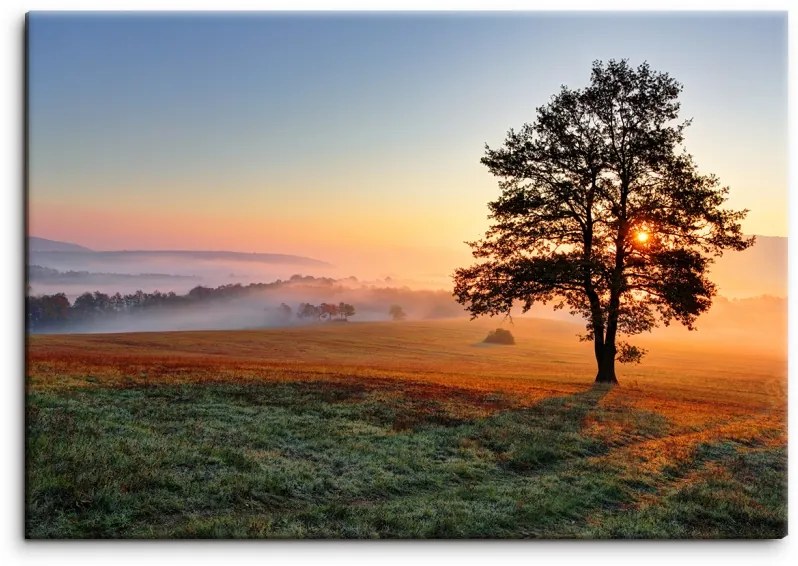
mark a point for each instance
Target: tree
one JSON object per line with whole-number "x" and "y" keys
{"x": 47, "y": 311}
{"x": 500, "y": 336}
{"x": 604, "y": 213}
{"x": 328, "y": 310}
{"x": 306, "y": 310}
{"x": 346, "y": 310}
{"x": 397, "y": 312}
{"x": 117, "y": 302}
{"x": 200, "y": 293}
{"x": 85, "y": 305}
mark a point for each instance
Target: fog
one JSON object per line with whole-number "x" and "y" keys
{"x": 751, "y": 306}
{"x": 48, "y": 281}
{"x": 178, "y": 271}
{"x": 759, "y": 270}
{"x": 260, "y": 308}
{"x": 755, "y": 322}
{"x": 126, "y": 272}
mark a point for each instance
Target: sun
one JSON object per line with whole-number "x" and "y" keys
{"x": 642, "y": 237}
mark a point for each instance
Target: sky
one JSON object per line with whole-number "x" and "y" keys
{"x": 356, "y": 138}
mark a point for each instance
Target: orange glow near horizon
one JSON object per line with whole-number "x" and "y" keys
{"x": 363, "y": 246}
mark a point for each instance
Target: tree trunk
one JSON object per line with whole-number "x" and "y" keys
{"x": 599, "y": 349}
{"x": 606, "y": 365}
{"x": 606, "y": 361}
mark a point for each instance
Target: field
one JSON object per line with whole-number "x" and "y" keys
{"x": 400, "y": 430}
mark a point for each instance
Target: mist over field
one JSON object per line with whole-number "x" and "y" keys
{"x": 47, "y": 281}
{"x": 751, "y": 304}
{"x": 154, "y": 268}
{"x": 258, "y": 306}
{"x": 759, "y": 270}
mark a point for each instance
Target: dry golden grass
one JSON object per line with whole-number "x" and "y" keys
{"x": 692, "y": 384}
{"x": 706, "y": 391}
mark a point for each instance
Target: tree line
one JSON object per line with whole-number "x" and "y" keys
{"x": 325, "y": 311}
{"x": 50, "y": 312}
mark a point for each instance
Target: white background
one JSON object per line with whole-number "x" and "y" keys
{"x": 14, "y": 549}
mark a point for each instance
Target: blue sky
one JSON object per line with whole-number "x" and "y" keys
{"x": 257, "y": 121}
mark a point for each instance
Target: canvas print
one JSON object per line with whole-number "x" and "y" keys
{"x": 406, "y": 275}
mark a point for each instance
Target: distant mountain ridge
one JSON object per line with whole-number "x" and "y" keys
{"x": 41, "y": 250}
{"x": 36, "y": 244}
{"x": 40, "y": 273}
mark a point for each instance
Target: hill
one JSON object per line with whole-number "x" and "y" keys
{"x": 36, "y": 244}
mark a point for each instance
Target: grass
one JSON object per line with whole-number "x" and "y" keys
{"x": 234, "y": 435}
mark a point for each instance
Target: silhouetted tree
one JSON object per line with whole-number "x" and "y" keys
{"x": 56, "y": 307}
{"x": 500, "y": 336}
{"x": 602, "y": 212}
{"x": 85, "y": 305}
{"x": 47, "y": 311}
{"x": 199, "y": 293}
{"x": 328, "y": 310}
{"x": 117, "y": 302}
{"x": 346, "y": 310}
{"x": 306, "y": 310}
{"x": 397, "y": 312}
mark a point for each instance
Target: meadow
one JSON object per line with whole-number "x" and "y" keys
{"x": 401, "y": 430}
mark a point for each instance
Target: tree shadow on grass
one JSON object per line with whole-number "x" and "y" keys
{"x": 543, "y": 435}
{"x": 571, "y": 410}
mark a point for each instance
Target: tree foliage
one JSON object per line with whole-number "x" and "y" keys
{"x": 397, "y": 312}
{"x": 499, "y": 336}
{"x": 327, "y": 311}
{"x": 604, "y": 213}
{"x": 346, "y": 310}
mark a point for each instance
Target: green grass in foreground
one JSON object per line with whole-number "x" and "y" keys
{"x": 316, "y": 460}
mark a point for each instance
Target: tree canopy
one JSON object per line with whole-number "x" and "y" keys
{"x": 397, "y": 312}
{"x": 603, "y": 212}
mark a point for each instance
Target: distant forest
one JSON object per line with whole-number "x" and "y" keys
{"x": 53, "y": 312}
{"x": 48, "y": 274}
